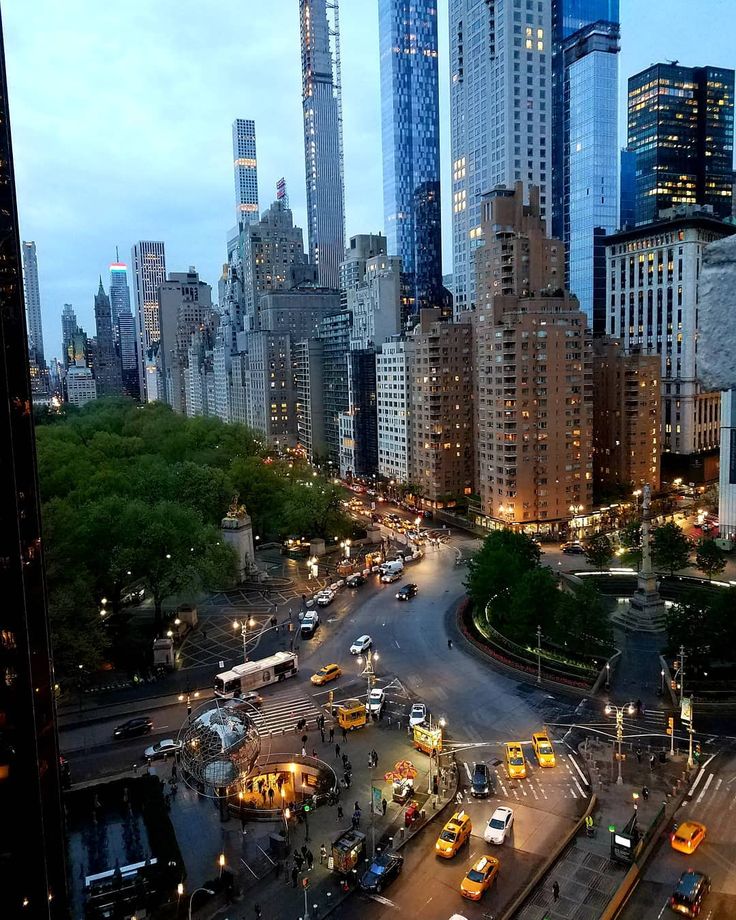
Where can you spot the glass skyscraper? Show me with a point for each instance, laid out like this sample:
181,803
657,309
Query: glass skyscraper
411,143
681,128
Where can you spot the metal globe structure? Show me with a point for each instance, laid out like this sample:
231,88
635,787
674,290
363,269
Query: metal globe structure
220,746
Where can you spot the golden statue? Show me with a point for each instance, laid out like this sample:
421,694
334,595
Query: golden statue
235,510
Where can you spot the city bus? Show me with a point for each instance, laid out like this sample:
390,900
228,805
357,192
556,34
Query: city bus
254,674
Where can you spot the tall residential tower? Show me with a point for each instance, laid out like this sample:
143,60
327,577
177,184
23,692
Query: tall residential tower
322,107
33,303
245,166
149,273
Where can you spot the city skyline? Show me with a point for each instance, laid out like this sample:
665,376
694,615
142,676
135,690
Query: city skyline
74,240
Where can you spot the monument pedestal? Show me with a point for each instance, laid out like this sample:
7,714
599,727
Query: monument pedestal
237,530
646,607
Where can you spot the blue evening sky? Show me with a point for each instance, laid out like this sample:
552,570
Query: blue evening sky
121,116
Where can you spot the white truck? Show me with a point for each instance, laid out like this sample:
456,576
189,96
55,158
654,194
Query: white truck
393,567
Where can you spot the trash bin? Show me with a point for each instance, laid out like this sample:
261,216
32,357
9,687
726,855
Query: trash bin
663,756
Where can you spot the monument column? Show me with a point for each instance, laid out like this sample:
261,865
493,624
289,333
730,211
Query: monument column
646,607
237,530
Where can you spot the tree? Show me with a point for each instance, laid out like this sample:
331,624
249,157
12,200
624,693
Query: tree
531,602
499,564
630,539
670,547
581,615
709,558
78,638
598,550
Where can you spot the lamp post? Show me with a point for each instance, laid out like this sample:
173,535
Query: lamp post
286,814
539,654
442,722
368,671
620,710
187,695
575,511
243,627
191,897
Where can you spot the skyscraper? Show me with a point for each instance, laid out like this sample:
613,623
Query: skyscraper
128,351
107,364
149,272
33,303
500,113
411,143
32,871
681,128
245,166
322,107
68,328
119,290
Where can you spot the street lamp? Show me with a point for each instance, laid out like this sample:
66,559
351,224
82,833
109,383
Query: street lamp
243,627
191,896
539,654
575,511
187,695
629,709
368,671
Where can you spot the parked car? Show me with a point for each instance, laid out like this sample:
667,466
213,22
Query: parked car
381,871
407,592
499,825
481,782
325,598
573,549
133,727
355,581
162,749
418,714
361,644
376,699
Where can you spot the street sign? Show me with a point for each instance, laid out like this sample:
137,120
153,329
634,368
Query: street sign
686,709
376,800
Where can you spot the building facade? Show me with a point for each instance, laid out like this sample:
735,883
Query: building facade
358,424
652,283
309,382
627,421
362,246
32,294
297,311
128,351
727,474
119,291
107,369
334,333
148,262
32,838
375,302
81,386
440,360
392,411
323,155
501,115
271,388
245,167
680,125
411,143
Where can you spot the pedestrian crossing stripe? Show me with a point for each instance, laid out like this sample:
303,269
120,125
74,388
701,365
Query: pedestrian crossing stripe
282,715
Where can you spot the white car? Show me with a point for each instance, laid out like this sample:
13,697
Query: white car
499,825
376,699
361,644
418,714
390,577
162,749
324,598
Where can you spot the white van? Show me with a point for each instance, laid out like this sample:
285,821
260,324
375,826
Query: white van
309,624
394,567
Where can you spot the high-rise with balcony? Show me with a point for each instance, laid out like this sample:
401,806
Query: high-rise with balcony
681,127
533,360
32,870
322,110
501,115
411,143
245,166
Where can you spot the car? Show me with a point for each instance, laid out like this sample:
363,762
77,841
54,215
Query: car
326,674
407,592
453,835
687,837
480,785
543,749
162,749
355,581
361,644
141,725
390,577
515,763
690,893
249,698
375,701
309,624
480,877
573,549
324,598
499,825
381,871
418,714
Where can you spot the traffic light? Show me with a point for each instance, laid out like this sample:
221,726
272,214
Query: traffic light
307,808
673,684
676,664
305,882
670,725
697,750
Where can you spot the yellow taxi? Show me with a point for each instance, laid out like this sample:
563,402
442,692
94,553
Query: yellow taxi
543,749
326,674
453,835
687,837
480,878
515,763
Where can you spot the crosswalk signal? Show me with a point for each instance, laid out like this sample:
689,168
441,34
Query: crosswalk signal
696,753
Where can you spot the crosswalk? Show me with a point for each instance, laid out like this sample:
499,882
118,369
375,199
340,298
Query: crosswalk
538,785
281,714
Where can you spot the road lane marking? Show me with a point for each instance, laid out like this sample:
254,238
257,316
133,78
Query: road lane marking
579,788
580,772
696,783
574,795
705,788
381,900
467,770
396,644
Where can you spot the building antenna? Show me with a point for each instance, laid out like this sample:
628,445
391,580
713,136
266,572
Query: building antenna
117,257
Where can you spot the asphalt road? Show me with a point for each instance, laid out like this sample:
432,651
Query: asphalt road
713,803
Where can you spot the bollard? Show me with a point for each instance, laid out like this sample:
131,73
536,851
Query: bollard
401,833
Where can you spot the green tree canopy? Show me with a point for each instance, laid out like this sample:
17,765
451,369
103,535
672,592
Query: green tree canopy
499,564
670,548
598,550
709,558
581,613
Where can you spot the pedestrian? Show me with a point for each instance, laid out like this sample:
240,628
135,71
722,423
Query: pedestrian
348,766
298,861
322,734
310,860
555,891
344,734
375,758
279,781
356,807
332,733
344,759
305,850
294,876
304,751
356,817
639,709
638,755
322,854
204,634
645,793
305,738
242,821
384,806
652,761
339,813
270,795
337,751
449,643
173,770
459,797
354,822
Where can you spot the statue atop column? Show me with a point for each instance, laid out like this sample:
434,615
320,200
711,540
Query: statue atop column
646,607
235,510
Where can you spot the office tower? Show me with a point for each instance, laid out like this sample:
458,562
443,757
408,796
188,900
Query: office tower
119,291
626,419
33,303
297,311
681,129
81,386
322,107
375,302
440,361
184,304
627,185
362,246
727,470
653,274
273,260
128,351
245,165
590,161
334,333
411,143
500,111
271,388
107,363
533,375
68,329
358,428
148,262
309,382
392,411
199,375
32,870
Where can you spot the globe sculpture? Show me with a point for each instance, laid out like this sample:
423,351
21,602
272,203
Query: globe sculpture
220,746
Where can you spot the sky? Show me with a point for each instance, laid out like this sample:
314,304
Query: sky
121,116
